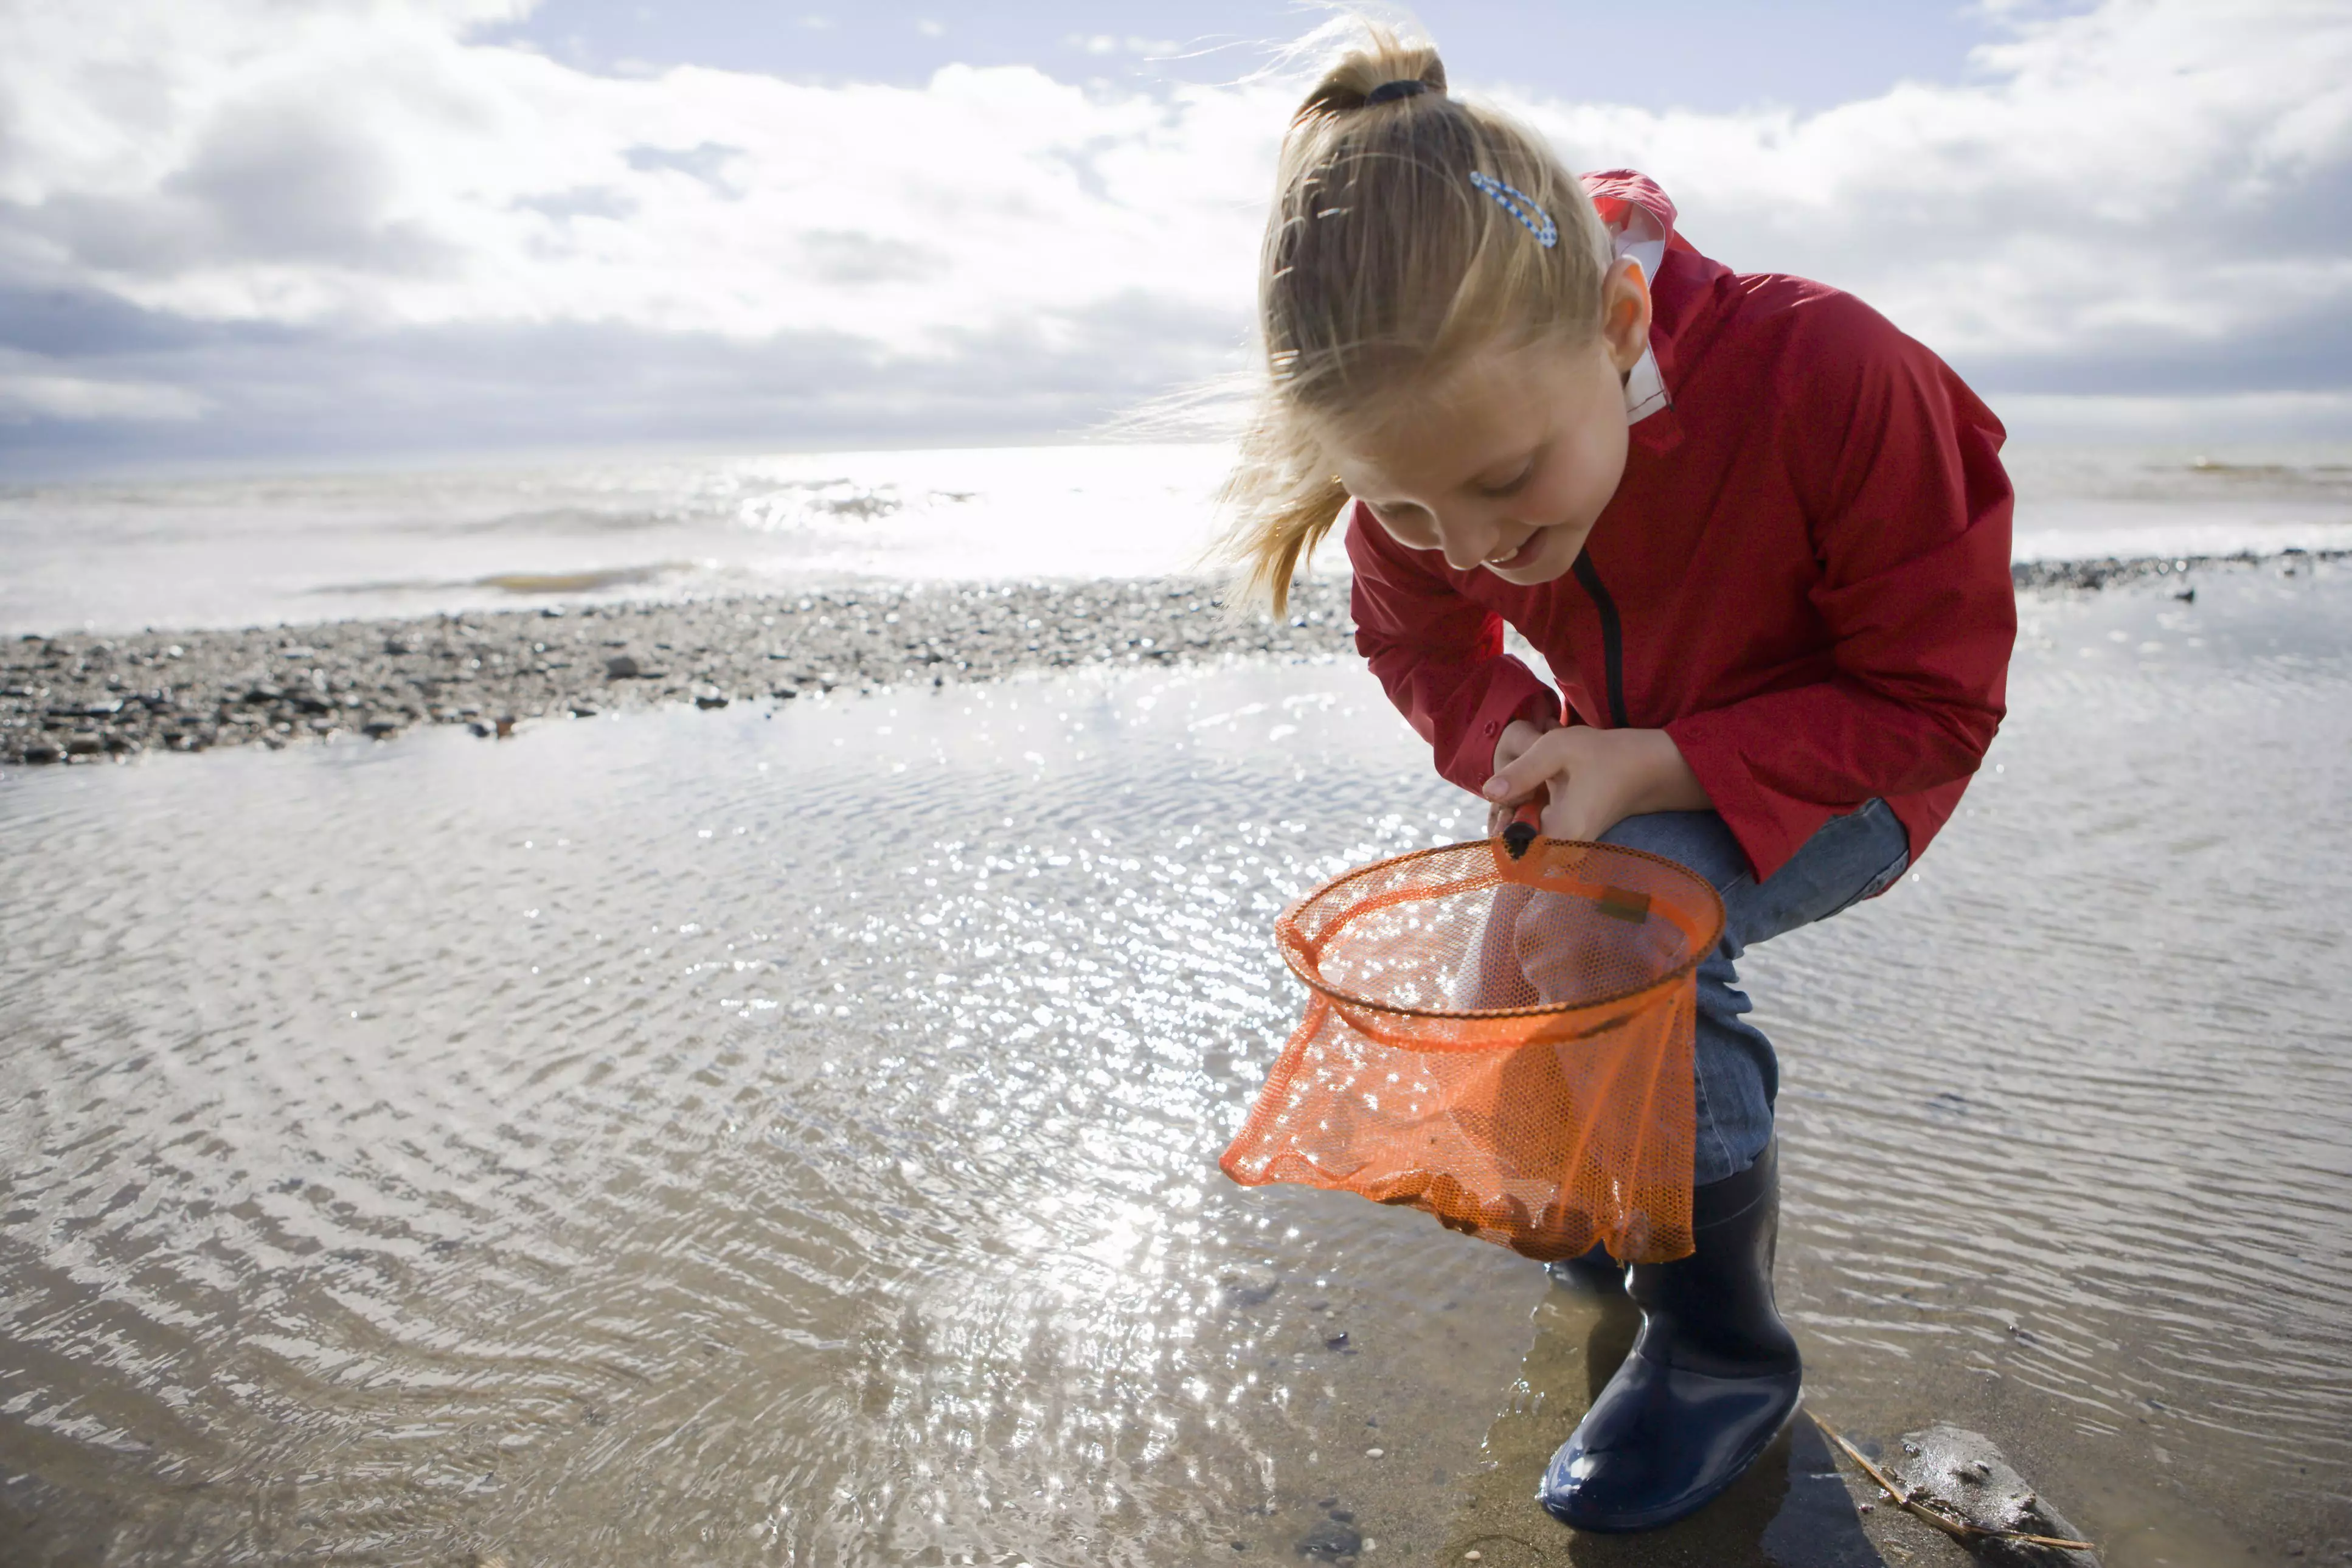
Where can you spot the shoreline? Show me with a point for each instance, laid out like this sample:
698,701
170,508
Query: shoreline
92,697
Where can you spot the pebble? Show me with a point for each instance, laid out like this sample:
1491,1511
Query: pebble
192,690
1332,1540
1374,1453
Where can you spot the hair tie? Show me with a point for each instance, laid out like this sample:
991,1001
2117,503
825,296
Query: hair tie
1388,92
1520,205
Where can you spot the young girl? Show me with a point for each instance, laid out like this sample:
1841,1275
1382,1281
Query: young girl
1761,538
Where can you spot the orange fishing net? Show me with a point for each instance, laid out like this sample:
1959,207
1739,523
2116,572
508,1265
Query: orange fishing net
1503,1040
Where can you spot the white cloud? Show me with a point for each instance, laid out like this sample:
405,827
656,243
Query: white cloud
372,166
2154,169
2152,181
31,388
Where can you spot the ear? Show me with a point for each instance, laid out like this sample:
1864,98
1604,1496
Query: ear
1625,313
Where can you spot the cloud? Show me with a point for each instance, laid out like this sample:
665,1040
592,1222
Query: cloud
469,388
341,218
2148,183
706,161
33,389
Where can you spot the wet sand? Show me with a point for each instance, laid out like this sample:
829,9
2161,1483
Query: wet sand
787,1134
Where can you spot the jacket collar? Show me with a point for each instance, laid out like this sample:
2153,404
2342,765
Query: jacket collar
1640,223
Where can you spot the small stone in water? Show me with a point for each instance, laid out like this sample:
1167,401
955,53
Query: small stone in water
1374,1453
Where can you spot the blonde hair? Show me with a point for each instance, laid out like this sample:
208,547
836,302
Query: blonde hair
1383,268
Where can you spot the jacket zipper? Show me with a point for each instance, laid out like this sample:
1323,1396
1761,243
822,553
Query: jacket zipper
1612,643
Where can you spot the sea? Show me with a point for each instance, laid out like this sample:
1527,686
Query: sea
293,547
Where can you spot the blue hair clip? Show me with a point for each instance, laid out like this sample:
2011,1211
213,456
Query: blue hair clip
1517,203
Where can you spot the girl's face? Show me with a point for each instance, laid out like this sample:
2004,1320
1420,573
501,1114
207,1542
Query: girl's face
1508,461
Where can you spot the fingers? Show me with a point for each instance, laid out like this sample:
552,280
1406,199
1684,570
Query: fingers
1517,736
1566,814
1520,779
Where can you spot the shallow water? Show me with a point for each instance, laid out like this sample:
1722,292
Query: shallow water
232,550
790,1137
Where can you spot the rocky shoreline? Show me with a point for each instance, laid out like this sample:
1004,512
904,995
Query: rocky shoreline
89,697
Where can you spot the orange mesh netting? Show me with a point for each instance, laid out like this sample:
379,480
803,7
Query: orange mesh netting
1505,1041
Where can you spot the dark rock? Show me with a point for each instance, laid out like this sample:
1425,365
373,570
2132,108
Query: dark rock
622,667
711,699
1963,1474
1337,1341
84,745
1331,1542
381,728
41,752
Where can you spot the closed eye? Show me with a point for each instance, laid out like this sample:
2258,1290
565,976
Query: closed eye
1517,482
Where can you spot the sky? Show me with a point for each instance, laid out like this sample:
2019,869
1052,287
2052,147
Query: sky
309,232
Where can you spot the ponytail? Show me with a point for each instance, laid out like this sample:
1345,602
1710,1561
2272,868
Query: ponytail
1385,265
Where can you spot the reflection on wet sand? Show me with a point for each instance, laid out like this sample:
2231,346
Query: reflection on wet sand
788,1137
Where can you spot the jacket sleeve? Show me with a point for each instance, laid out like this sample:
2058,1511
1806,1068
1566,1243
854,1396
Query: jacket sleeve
1438,654
1909,509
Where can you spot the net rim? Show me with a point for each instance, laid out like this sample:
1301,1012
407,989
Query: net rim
1286,928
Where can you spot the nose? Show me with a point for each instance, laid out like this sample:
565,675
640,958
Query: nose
1468,541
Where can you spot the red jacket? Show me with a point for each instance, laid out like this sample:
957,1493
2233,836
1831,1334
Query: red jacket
1803,577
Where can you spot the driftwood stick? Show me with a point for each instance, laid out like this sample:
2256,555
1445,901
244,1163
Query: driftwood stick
1958,1530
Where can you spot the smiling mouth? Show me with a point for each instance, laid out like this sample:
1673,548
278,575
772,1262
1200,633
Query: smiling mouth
1516,557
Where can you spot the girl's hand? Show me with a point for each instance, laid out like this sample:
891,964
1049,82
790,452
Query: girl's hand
1593,779
1517,736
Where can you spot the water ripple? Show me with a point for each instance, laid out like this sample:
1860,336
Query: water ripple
795,1134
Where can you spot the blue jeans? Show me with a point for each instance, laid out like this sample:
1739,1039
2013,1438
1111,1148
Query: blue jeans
1850,858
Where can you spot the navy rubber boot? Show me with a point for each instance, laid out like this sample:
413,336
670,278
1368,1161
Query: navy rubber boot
1594,1273
1711,1379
